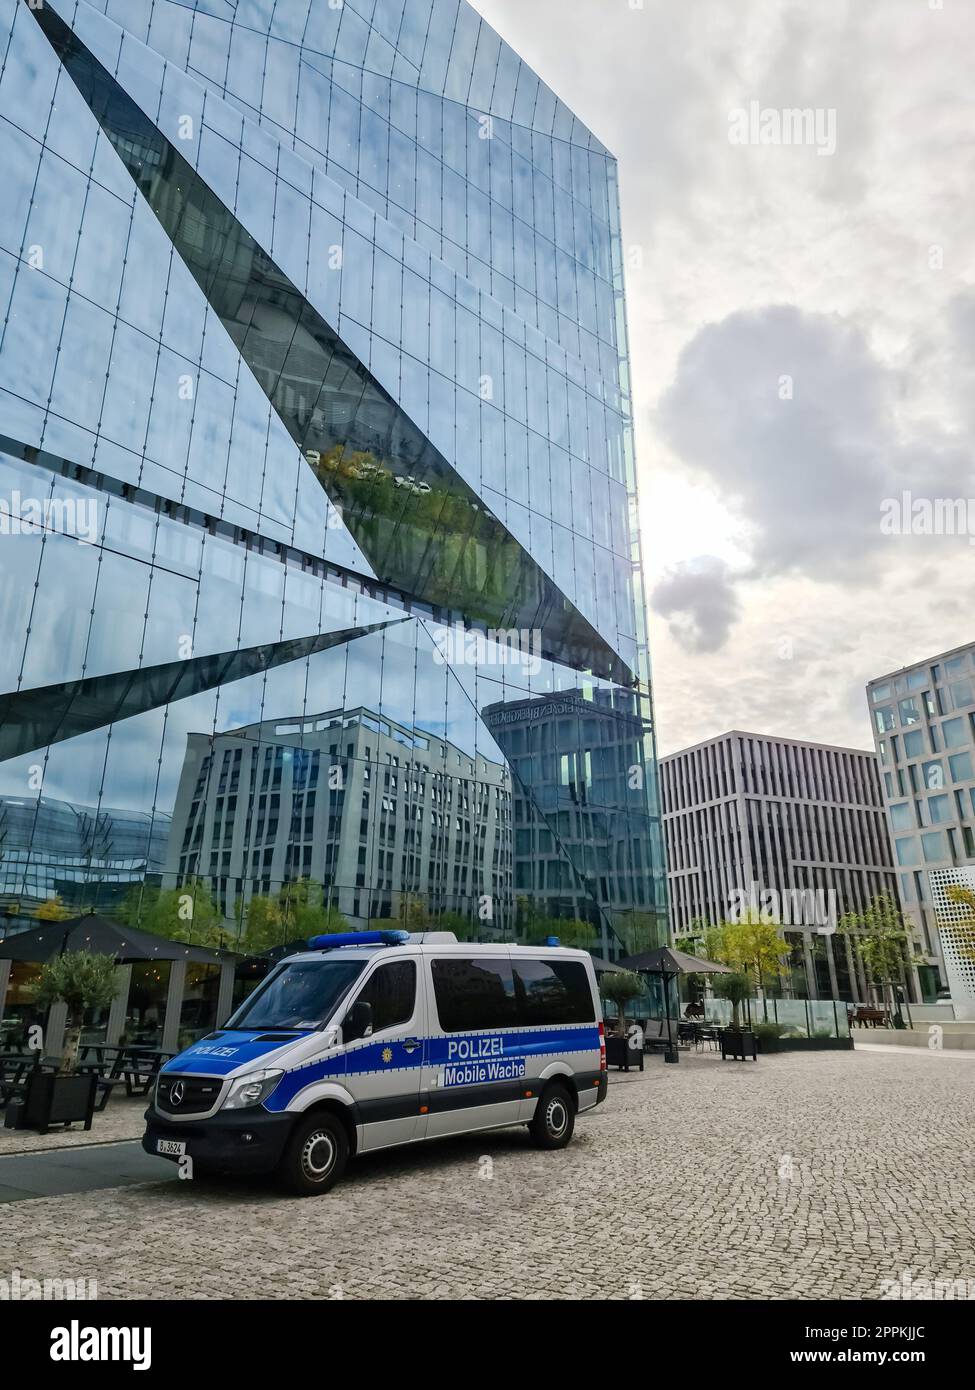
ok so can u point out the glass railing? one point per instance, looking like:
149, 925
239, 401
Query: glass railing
795, 1018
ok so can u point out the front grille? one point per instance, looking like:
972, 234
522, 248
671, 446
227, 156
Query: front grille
194, 1094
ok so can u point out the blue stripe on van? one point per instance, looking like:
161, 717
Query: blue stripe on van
437, 1051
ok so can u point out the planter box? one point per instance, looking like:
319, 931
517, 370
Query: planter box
805, 1044
740, 1045
58, 1100
620, 1054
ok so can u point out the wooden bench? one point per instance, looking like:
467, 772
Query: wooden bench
864, 1016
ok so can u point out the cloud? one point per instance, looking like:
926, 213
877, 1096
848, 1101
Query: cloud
797, 425
697, 598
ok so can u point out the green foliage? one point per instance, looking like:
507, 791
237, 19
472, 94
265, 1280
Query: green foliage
53, 910
736, 988
295, 913
768, 1030
883, 936
640, 931
82, 980
187, 913
752, 946
964, 929
620, 986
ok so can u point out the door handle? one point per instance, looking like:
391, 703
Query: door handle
411, 1044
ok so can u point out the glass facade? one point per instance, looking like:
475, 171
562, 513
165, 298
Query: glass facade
320, 593
926, 744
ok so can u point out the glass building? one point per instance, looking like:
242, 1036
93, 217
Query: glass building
316, 465
923, 719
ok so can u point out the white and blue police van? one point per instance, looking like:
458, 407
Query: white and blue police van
370, 1039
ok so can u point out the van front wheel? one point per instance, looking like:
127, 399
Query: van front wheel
316, 1155
555, 1118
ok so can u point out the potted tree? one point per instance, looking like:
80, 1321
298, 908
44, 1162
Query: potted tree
620, 986
81, 980
736, 988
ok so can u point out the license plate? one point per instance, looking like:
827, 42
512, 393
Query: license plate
171, 1146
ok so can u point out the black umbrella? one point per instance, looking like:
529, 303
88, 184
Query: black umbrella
668, 962
105, 937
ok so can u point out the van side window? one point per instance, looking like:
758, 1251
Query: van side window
471, 994
552, 991
391, 990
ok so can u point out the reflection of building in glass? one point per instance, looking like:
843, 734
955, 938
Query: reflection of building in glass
792, 829
923, 720
371, 810
87, 857
323, 315
586, 842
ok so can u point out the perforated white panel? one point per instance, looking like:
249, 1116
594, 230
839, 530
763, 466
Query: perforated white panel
957, 930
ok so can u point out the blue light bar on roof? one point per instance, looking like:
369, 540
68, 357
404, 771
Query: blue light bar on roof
357, 938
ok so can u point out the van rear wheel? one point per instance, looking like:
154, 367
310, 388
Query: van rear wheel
555, 1118
316, 1155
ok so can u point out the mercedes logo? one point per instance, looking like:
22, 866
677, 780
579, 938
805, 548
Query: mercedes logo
176, 1093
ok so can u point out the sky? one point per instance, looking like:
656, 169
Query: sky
802, 336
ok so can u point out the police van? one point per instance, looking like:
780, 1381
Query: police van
370, 1039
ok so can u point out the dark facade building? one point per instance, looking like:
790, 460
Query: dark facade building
313, 369
586, 836
777, 826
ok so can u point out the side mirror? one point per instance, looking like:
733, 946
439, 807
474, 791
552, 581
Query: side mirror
358, 1021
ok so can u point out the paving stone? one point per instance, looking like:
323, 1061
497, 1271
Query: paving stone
807, 1175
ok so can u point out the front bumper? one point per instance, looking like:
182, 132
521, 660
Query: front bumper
246, 1141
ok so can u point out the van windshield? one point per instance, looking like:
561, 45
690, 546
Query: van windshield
300, 994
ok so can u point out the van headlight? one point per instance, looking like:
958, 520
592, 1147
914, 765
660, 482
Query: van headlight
251, 1089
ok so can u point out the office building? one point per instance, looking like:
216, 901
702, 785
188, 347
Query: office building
923, 719
777, 825
379, 815
314, 396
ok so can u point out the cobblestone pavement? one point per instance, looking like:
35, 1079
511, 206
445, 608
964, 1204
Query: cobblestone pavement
802, 1176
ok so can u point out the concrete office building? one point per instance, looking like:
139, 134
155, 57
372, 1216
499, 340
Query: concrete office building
923, 718
790, 827
374, 812
315, 336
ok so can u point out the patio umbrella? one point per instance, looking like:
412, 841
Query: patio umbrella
606, 967
105, 937
667, 961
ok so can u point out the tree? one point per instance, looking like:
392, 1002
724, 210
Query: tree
462, 927
263, 927
735, 988
752, 946
884, 937
639, 932
83, 981
302, 911
53, 910
620, 986
964, 930
187, 913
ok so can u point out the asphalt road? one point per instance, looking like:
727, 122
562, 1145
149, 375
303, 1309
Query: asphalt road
57, 1172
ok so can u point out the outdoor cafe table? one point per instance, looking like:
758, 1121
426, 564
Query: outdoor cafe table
137, 1064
